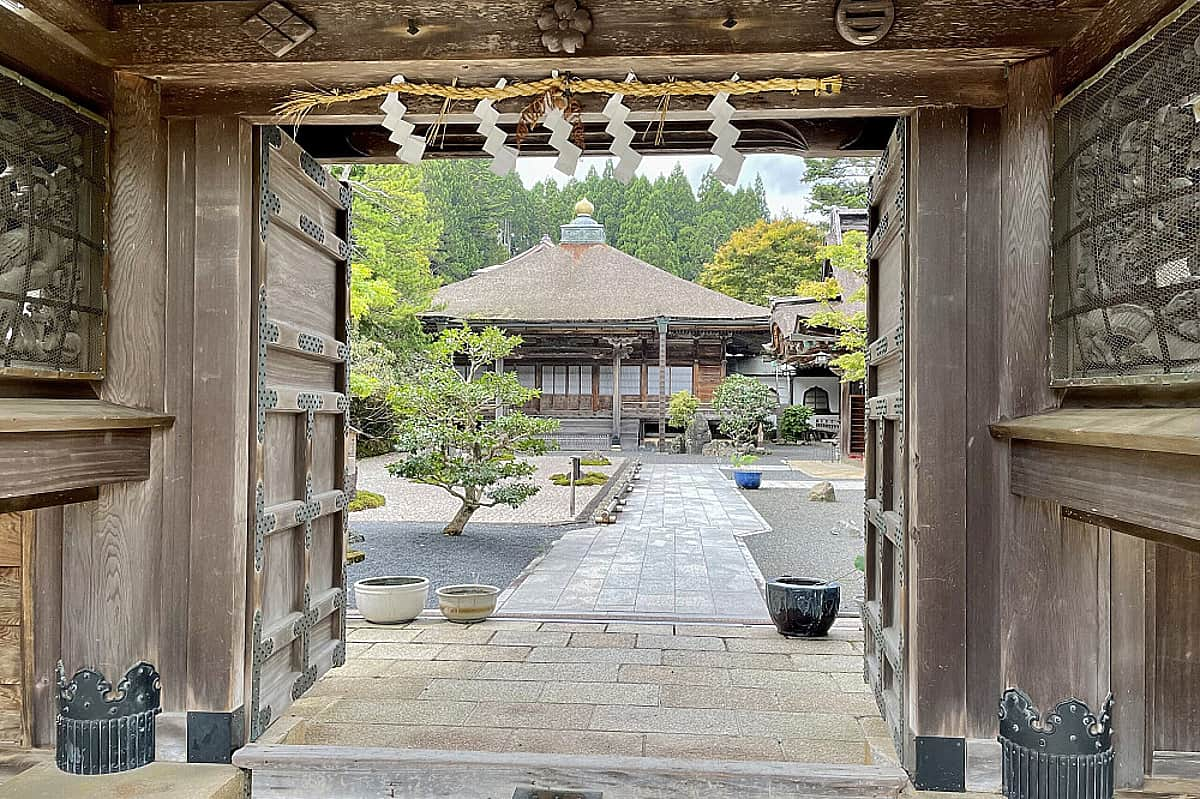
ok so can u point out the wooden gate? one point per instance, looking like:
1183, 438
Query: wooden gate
297, 601
884, 613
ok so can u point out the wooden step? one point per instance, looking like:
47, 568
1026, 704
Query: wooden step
319, 772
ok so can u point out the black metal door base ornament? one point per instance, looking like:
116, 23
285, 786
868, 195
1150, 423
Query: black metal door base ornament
1067, 755
99, 731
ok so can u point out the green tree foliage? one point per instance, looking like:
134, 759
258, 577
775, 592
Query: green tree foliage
766, 259
850, 255
837, 182
395, 233
682, 407
794, 422
743, 405
450, 432
663, 222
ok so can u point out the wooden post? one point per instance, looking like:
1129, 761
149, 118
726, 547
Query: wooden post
616, 397
663, 322
112, 547
935, 430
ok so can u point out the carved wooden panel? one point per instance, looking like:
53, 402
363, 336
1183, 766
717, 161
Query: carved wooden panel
53, 189
1126, 267
297, 587
884, 611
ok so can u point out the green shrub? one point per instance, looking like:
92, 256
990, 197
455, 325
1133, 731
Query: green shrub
743, 404
594, 460
794, 422
587, 479
682, 408
365, 500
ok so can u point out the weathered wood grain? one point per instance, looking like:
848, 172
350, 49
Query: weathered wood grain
353, 772
46, 54
114, 544
10, 596
1153, 429
1177, 651
10, 655
177, 386
164, 32
221, 403
1117, 25
1128, 654
72, 15
28, 415
985, 456
12, 526
935, 423
46, 619
38, 463
1156, 490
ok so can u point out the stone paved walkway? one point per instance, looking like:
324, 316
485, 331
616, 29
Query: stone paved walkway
658, 690
674, 553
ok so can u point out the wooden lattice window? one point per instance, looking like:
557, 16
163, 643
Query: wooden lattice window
53, 174
1126, 304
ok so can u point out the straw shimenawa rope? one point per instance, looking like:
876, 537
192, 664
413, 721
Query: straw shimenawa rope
302, 102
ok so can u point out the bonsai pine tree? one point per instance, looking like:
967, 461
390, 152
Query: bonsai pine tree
451, 433
743, 404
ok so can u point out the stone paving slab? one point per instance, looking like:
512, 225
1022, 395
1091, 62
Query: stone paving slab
673, 553
657, 690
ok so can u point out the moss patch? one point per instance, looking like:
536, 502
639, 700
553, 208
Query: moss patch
587, 479
595, 461
365, 500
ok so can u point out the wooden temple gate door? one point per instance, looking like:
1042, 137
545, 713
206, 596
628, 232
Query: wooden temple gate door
301, 275
884, 612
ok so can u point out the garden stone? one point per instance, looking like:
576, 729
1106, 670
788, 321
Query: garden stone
822, 492
698, 434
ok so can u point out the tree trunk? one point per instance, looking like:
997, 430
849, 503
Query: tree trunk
456, 525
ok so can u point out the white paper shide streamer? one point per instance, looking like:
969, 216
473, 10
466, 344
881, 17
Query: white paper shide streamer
727, 135
616, 112
504, 158
560, 140
410, 148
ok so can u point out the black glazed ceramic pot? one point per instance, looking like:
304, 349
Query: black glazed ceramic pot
802, 607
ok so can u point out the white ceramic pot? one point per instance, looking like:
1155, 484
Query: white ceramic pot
391, 600
464, 604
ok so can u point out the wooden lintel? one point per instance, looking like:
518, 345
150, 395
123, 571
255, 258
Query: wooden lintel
26, 415
172, 32
1151, 489
893, 86
1136, 530
1149, 429
41, 463
1118, 24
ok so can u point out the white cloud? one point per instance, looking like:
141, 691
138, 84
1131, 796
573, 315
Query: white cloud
782, 175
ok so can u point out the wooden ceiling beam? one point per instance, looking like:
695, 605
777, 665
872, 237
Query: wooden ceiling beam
171, 33
1117, 26
70, 16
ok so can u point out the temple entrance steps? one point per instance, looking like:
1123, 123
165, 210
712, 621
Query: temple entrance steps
284, 771
586, 434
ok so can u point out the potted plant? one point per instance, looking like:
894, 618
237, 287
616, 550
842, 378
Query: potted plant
803, 607
469, 603
391, 599
743, 476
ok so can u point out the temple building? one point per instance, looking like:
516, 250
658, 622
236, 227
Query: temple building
805, 351
598, 325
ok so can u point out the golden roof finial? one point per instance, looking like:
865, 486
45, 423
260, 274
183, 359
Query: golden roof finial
584, 208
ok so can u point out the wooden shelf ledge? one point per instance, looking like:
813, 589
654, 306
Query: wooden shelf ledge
58, 450
1174, 430
31, 415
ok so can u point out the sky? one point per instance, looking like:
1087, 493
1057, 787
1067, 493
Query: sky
782, 175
